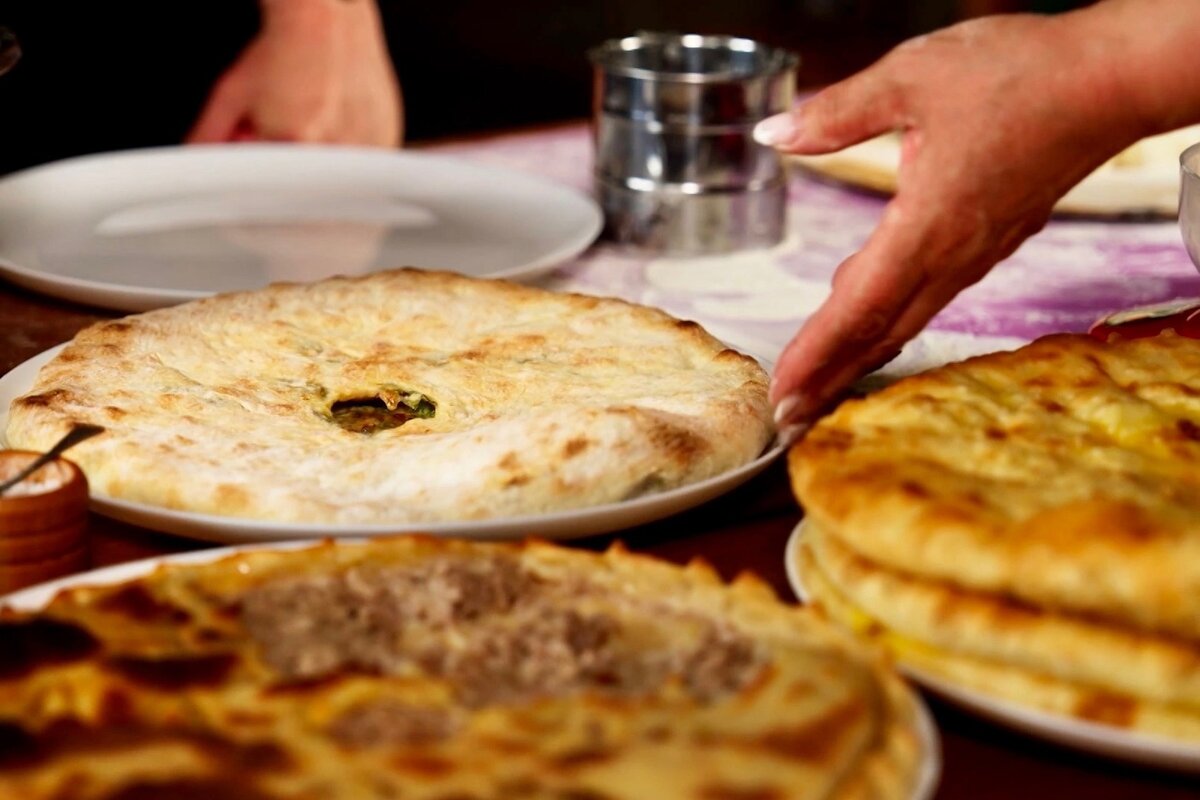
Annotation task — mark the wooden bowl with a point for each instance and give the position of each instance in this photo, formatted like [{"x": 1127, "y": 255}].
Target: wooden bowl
[{"x": 43, "y": 521}]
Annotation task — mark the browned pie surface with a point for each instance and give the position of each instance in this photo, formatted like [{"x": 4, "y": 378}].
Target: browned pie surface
[
  {"x": 1065, "y": 474},
  {"x": 398, "y": 397},
  {"x": 432, "y": 669}
]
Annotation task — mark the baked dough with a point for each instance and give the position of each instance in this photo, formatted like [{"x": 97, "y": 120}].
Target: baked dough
[
  {"x": 425, "y": 668},
  {"x": 1065, "y": 474},
  {"x": 995, "y": 645},
  {"x": 525, "y": 401},
  {"x": 1142, "y": 179},
  {"x": 1025, "y": 525},
  {"x": 995, "y": 648}
]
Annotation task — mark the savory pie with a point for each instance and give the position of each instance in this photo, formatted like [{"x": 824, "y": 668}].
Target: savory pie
[
  {"x": 399, "y": 397},
  {"x": 1025, "y": 519},
  {"x": 423, "y": 668}
]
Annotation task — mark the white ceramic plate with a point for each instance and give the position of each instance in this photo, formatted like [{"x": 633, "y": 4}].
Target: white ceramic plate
[
  {"x": 1147, "y": 188},
  {"x": 147, "y": 228},
  {"x": 37, "y": 597},
  {"x": 1091, "y": 737},
  {"x": 554, "y": 526}
]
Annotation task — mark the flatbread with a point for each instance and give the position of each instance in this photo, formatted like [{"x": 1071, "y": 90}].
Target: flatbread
[
  {"x": 998, "y": 629},
  {"x": 1142, "y": 179},
  {"x": 1002, "y": 649},
  {"x": 1065, "y": 474},
  {"x": 422, "y": 668},
  {"x": 523, "y": 401}
]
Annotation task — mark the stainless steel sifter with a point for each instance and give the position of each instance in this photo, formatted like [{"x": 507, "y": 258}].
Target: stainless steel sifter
[{"x": 677, "y": 169}]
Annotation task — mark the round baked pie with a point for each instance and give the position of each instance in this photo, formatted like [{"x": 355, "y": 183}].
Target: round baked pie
[
  {"x": 404, "y": 396},
  {"x": 1025, "y": 525},
  {"x": 424, "y": 668}
]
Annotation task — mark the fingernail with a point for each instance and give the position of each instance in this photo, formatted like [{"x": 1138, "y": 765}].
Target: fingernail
[
  {"x": 790, "y": 434},
  {"x": 776, "y": 130},
  {"x": 786, "y": 410}
]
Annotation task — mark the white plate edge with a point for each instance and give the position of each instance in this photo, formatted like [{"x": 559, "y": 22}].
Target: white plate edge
[
  {"x": 36, "y": 597},
  {"x": 134, "y": 298}
]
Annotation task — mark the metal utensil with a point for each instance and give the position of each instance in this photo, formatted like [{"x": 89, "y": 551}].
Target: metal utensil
[
  {"x": 1189, "y": 201},
  {"x": 73, "y": 437},
  {"x": 677, "y": 169}
]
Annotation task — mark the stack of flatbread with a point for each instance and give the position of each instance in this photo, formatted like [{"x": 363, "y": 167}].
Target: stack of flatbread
[{"x": 1025, "y": 524}]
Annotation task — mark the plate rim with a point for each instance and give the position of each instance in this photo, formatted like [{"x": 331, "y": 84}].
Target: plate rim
[
  {"x": 1082, "y": 735},
  {"x": 571, "y": 524},
  {"x": 130, "y": 297},
  {"x": 34, "y": 598}
]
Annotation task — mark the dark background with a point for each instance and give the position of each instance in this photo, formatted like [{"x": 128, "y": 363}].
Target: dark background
[{"x": 101, "y": 76}]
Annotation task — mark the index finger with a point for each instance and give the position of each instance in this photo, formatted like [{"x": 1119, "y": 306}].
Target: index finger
[
  {"x": 856, "y": 325},
  {"x": 848, "y": 112}
]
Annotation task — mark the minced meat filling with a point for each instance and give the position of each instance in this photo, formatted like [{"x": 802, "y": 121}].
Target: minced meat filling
[{"x": 493, "y": 630}]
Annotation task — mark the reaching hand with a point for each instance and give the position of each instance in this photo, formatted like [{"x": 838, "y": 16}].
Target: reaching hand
[
  {"x": 318, "y": 71},
  {"x": 999, "y": 117}
]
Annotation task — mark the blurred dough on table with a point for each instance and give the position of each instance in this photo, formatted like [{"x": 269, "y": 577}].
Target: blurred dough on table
[{"x": 1142, "y": 179}]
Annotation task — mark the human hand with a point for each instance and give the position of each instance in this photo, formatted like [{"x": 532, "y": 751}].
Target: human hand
[
  {"x": 1000, "y": 117},
  {"x": 318, "y": 71}
]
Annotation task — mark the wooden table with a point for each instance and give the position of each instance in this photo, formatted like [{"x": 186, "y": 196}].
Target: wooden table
[{"x": 743, "y": 531}]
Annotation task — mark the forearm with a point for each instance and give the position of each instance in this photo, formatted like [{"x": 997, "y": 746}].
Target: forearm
[
  {"x": 1144, "y": 60},
  {"x": 316, "y": 16},
  {"x": 1001, "y": 116}
]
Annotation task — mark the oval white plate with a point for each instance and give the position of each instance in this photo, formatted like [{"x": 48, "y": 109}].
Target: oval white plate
[
  {"x": 141, "y": 229},
  {"x": 37, "y": 597},
  {"x": 555, "y": 526},
  {"x": 1092, "y": 737}
]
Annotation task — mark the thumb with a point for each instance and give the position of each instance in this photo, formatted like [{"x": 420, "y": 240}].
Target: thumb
[{"x": 852, "y": 111}]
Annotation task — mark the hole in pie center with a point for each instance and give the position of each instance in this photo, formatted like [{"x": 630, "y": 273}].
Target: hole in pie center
[{"x": 389, "y": 408}]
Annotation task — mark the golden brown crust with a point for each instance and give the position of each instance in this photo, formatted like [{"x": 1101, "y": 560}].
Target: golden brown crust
[
  {"x": 1001, "y": 629},
  {"x": 174, "y": 682},
  {"x": 998, "y": 649},
  {"x": 544, "y": 402},
  {"x": 1066, "y": 474}
]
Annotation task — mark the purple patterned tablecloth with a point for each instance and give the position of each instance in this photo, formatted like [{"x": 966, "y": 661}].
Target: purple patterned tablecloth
[{"x": 1062, "y": 279}]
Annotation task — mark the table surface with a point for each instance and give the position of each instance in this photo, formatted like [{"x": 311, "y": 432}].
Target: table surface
[{"x": 1063, "y": 279}]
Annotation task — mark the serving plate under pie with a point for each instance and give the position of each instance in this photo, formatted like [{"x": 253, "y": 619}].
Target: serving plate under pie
[
  {"x": 141, "y": 229},
  {"x": 562, "y": 525},
  {"x": 1104, "y": 740}
]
